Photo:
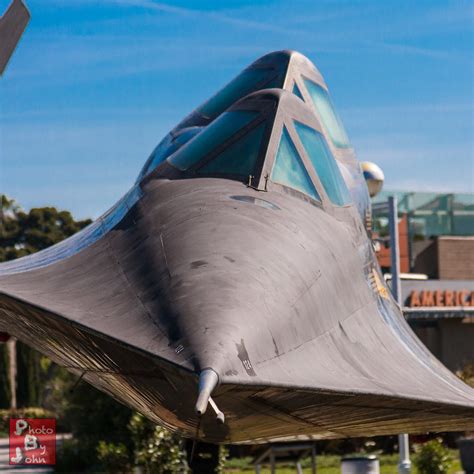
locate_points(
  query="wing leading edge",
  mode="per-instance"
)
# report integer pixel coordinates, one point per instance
(188, 274)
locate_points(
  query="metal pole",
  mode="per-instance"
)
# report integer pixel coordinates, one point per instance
(313, 459)
(404, 465)
(12, 371)
(272, 461)
(394, 248)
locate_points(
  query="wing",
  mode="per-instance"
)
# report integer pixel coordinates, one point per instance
(12, 25)
(210, 265)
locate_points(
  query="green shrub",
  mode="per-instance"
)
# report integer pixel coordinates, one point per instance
(157, 450)
(93, 416)
(223, 455)
(114, 458)
(432, 458)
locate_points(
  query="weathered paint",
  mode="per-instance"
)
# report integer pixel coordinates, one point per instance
(278, 294)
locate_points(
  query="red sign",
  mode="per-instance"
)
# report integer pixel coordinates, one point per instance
(32, 441)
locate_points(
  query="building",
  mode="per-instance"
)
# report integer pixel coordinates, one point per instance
(436, 237)
(442, 314)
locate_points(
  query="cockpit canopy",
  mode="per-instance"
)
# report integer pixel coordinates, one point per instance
(274, 124)
(282, 70)
(269, 137)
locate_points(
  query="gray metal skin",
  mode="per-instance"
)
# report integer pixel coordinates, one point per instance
(278, 294)
(12, 25)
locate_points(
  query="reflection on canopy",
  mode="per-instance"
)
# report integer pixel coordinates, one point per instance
(214, 136)
(324, 164)
(329, 117)
(239, 159)
(168, 146)
(289, 170)
(248, 81)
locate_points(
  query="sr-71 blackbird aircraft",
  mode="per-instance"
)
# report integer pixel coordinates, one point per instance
(233, 295)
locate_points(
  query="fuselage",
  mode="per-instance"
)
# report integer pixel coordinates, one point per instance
(242, 252)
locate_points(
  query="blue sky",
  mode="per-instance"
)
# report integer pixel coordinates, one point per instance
(95, 84)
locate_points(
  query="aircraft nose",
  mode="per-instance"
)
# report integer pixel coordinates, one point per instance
(229, 268)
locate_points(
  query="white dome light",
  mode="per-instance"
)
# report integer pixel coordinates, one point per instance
(374, 177)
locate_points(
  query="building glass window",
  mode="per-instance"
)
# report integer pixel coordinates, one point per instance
(214, 135)
(289, 169)
(324, 164)
(331, 121)
(237, 159)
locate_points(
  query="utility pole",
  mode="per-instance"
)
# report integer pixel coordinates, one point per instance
(12, 371)
(404, 465)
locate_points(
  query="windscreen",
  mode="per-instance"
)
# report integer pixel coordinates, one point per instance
(248, 81)
(232, 129)
(289, 169)
(331, 121)
(324, 164)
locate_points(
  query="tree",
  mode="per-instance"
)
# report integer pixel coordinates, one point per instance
(105, 436)
(432, 458)
(23, 233)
